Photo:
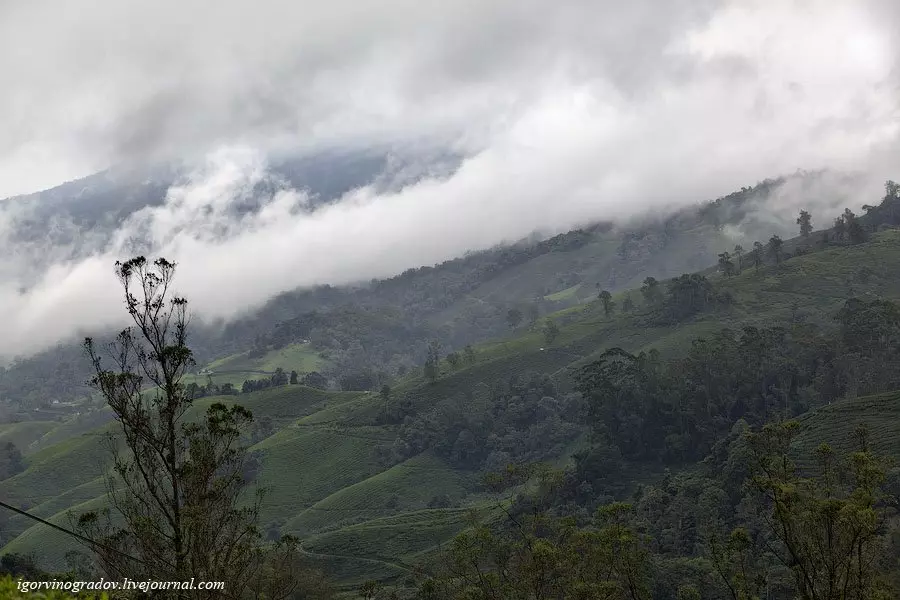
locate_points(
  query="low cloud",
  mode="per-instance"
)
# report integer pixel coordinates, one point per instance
(584, 113)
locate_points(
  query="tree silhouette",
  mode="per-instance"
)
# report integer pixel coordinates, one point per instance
(757, 255)
(607, 301)
(739, 253)
(775, 248)
(432, 363)
(550, 331)
(726, 265)
(513, 317)
(651, 291)
(805, 223)
(176, 486)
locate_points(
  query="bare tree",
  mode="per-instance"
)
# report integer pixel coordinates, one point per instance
(177, 489)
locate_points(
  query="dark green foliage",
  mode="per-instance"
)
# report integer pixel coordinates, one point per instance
(316, 380)
(550, 331)
(354, 337)
(294, 378)
(33, 382)
(278, 378)
(870, 327)
(442, 501)
(651, 291)
(839, 230)
(10, 461)
(541, 557)
(432, 367)
(856, 232)
(757, 255)
(513, 317)
(606, 299)
(726, 265)
(739, 255)
(688, 295)
(738, 562)
(25, 567)
(674, 410)
(820, 534)
(359, 380)
(469, 354)
(775, 249)
(827, 526)
(805, 223)
(522, 420)
(261, 429)
(534, 313)
(887, 213)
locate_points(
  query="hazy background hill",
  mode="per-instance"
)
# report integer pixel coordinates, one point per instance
(81, 216)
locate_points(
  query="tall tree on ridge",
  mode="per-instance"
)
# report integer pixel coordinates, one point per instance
(178, 485)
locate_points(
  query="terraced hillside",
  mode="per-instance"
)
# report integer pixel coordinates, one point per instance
(836, 423)
(362, 517)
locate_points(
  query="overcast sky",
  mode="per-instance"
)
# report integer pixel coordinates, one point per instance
(568, 111)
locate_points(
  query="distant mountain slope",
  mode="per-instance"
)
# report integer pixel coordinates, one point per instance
(96, 204)
(465, 300)
(385, 326)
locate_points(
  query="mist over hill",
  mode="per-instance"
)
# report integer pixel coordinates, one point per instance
(81, 217)
(480, 139)
(383, 327)
(500, 299)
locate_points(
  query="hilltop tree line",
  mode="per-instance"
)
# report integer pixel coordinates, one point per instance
(278, 378)
(847, 228)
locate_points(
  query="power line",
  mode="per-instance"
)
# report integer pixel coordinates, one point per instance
(93, 543)
(74, 534)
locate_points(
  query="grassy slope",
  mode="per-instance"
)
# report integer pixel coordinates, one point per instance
(361, 520)
(24, 435)
(836, 423)
(817, 284)
(410, 485)
(597, 262)
(237, 368)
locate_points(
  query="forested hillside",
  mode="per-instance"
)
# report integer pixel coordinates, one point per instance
(690, 426)
(379, 330)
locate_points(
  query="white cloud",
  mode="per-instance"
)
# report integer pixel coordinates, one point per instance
(594, 110)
